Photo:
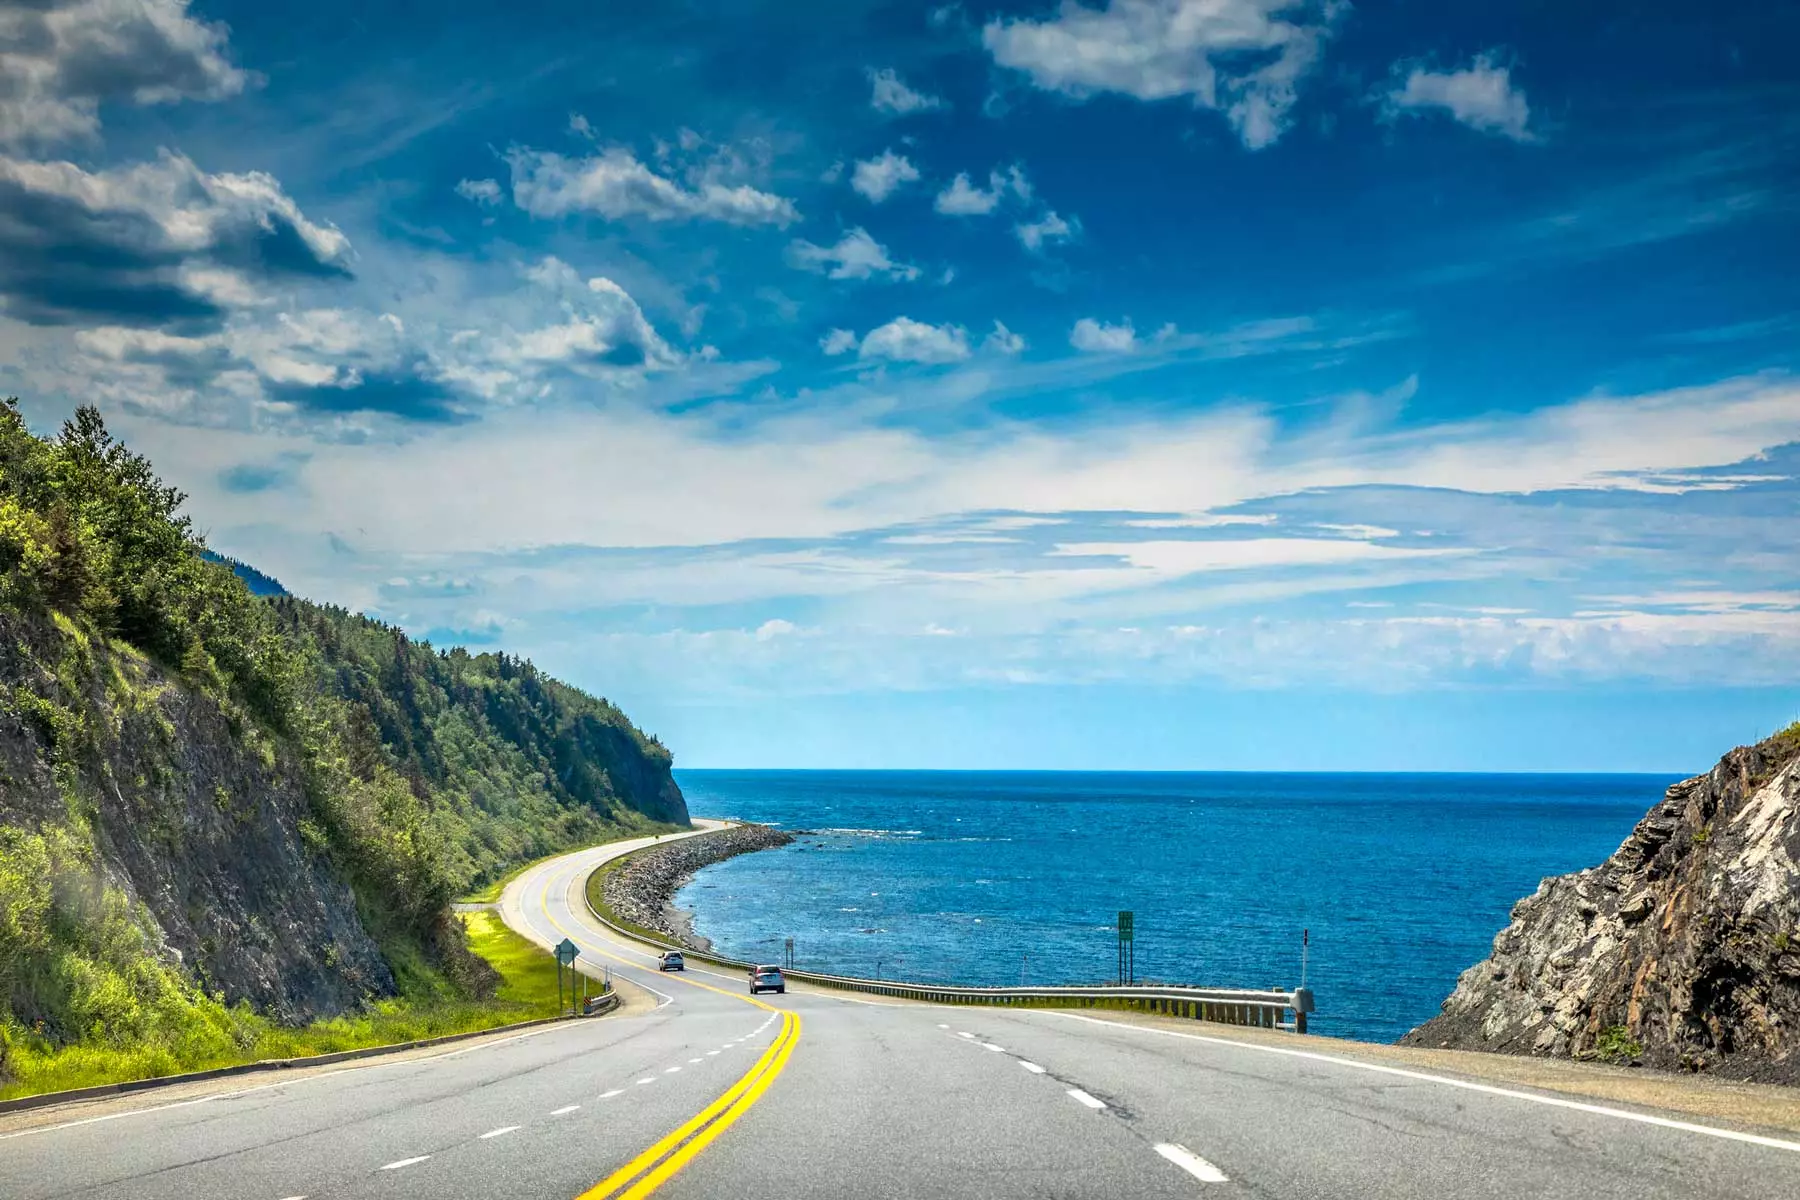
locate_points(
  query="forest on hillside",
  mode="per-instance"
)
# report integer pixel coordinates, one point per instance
(211, 799)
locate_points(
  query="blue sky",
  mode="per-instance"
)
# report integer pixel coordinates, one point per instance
(1163, 383)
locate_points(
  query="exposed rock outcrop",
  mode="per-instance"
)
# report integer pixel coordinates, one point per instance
(640, 891)
(1680, 951)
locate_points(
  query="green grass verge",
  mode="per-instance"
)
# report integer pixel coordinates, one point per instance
(229, 1036)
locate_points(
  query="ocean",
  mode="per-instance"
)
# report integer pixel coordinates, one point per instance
(993, 878)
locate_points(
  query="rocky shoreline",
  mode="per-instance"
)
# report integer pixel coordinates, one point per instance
(642, 891)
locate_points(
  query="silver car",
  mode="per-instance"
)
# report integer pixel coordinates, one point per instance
(671, 961)
(767, 979)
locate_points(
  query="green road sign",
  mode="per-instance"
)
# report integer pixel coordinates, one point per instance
(567, 952)
(1125, 925)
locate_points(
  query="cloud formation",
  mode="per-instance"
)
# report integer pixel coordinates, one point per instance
(1035, 235)
(906, 340)
(61, 60)
(855, 256)
(485, 192)
(615, 185)
(1481, 96)
(889, 94)
(963, 199)
(1245, 58)
(160, 242)
(1096, 337)
(877, 178)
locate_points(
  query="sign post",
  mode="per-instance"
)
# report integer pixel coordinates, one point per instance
(566, 954)
(1127, 949)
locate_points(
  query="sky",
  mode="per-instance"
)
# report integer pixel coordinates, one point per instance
(1165, 384)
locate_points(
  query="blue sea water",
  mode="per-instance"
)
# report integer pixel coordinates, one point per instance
(993, 877)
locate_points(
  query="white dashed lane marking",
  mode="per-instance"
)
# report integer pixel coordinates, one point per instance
(646, 1079)
(1192, 1163)
(611, 1094)
(991, 1046)
(1081, 1097)
(494, 1133)
(1032, 1067)
(405, 1162)
(565, 1109)
(670, 1070)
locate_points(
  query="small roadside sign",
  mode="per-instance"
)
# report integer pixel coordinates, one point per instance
(1125, 922)
(567, 952)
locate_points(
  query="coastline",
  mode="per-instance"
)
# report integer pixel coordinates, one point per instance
(642, 889)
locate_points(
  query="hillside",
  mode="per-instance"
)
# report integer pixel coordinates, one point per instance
(215, 806)
(1681, 951)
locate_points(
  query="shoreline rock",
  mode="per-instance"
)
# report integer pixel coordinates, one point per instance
(643, 890)
(1681, 951)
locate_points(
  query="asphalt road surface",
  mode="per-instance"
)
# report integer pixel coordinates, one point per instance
(711, 1093)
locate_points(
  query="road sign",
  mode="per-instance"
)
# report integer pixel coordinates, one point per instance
(1127, 949)
(567, 952)
(1125, 925)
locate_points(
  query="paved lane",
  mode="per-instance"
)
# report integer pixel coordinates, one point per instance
(819, 1094)
(900, 1099)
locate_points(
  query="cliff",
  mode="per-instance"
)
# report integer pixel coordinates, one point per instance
(215, 803)
(1680, 951)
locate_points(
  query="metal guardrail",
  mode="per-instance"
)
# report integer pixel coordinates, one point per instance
(1271, 1009)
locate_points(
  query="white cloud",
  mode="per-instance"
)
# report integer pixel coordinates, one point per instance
(855, 256)
(877, 178)
(1245, 58)
(150, 242)
(604, 326)
(774, 628)
(1003, 341)
(1481, 96)
(963, 199)
(838, 341)
(906, 340)
(889, 94)
(1035, 235)
(615, 185)
(60, 60)
(1093, 336)
(485, 192)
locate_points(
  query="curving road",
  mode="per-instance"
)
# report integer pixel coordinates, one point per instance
(701, 1091)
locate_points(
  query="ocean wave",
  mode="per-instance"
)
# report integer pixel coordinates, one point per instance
(875, 832)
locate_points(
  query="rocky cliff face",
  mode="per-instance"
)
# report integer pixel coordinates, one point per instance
(187, 817)
(1680, 951)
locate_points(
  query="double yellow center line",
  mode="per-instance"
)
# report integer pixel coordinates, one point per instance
(655, 1166)
(651, 1169)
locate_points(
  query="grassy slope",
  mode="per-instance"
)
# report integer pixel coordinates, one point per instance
(527, 990)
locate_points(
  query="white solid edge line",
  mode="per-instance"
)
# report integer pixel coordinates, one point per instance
(330, 1071)
(1192, 1163)
(405, 1162)
(1623, 1114)
(1032, 1067)
(494, 1133)
(564, 1110)
(1082, 1097)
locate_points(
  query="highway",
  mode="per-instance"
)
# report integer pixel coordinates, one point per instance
(702, 1091)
